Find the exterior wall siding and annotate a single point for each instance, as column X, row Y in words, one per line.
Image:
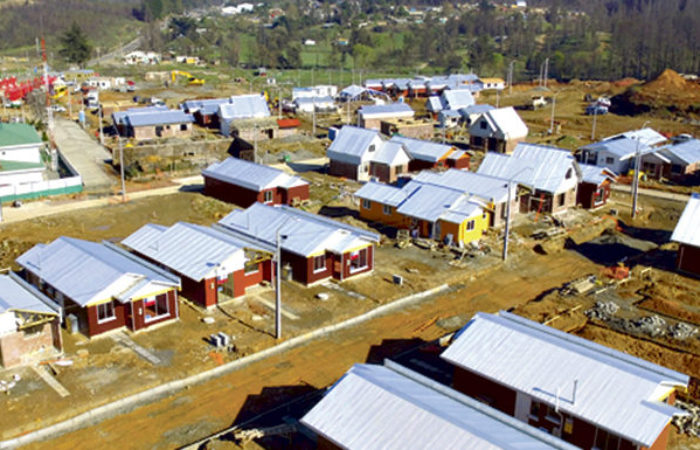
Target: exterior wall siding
column 95, row 328
column 229, row 193
column 586, row 194
column 688, row 259
column 375, row 213
column 342, row 169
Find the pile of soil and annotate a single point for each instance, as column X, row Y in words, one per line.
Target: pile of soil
column 672, row 308
column 669, row 92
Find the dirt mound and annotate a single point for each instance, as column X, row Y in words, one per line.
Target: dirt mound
column 626, row 82
column 668, row 93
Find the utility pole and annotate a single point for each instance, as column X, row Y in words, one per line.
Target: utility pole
column 278, row 285
column 498, row 97
column 510, row 78
column 546, row 70
column 313, row 101
column 507, row 230
column 635, row 182
column 49, row 113
column 99, row 118
column 551, row 123
column 121, row 166
column 595, row 117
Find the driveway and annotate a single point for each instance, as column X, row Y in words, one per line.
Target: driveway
column 84, row 154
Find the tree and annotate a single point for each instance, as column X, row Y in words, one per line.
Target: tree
column 75, row 45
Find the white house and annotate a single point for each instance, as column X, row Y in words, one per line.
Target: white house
column 498, row 130
column 251, row 106
column 20, row 154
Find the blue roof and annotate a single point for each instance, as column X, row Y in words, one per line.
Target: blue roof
column 119, row 117
column 687, row 152
column 17, row 295
column 157, row 117
column 207, row 107
column 457, row 98
column 476, row 109
column 622, row 147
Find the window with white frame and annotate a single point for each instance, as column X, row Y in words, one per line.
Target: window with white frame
column 366, row 204
column 105, row 312
column 359, row 260
column 268, row 196
column 156, row 307
column 319, row 263
column 387, row 210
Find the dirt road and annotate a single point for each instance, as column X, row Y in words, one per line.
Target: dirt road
column 206, row 408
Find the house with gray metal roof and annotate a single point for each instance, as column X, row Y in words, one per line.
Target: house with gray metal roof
column 687, row 234
column 618, row 154
column 428, row 210
column 153, row 123
column 371, row 116
column 684, row 158
column 29, row 324
column 213, row 265
column 243, row 183
column 594, row 187
column 205, row 111
column 587, row 394
column 101, row 287
column 498, row 130
column 392, row 407
column 242, row 108
column 550, row 174
column 432, row 155
column 314, row 248
column 360, row 154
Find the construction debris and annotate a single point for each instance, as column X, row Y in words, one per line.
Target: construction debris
column 681, row 331
column 688, row 424
column 602, row 311
column 580, row 286
column 245, row 436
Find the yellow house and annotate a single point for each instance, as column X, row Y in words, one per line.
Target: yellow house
column 431, row 211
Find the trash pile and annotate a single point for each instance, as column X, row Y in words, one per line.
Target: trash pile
column 681, row 331
column 602, row 311
column 6, row 386
column 689, row 424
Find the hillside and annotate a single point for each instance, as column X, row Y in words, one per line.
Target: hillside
column 669, row 92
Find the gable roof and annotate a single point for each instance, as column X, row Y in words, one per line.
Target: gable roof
column 390, row 110
column 314, row 100
column 423, row 150
column 351, row 143
column 596, row 174
column 119, row 117
column 432, row 203
column 373, row 407
column 306, row 234
column 536, row 166
column 18, row 295
column 476, row 109
column 391, row 153
column 489, row 188
column 613, row 390
column 251, row 106
column 506, row 122
column 647, row 136
column 687, row 229
column 206, row 107
column 195, row 251
column 621, row 147
column 250, row 175
column 687, row 152
column 90, row 272
column 434, row 103
column 352, row 91
column 382, row 193
column 456, row 98
column 12, row 134
column 156, row 117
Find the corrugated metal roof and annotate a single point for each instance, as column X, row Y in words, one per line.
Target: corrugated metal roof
column 377, row 407
column 119, row 117
column 391, row 154
column 486, row 187
column 88, row 272
column 434, row 103
column 595, row 174
column 306, row 233
column 18, row 134
column 687, row 152
column 15, row 294
column 157, row 117
column 206, row 106
column 352, row 143
column 535, row 166
column 392, row 109
column 314, row 100
column 457, row 98
column 195, row 251
column 614, row 391
column 382, row 193
column 476, row 109
column 244, row 107
column 352, row 91
column 430, row 202
column 251, row 175
column 647, row 136
column 687, row 230
column 622, row 147
column 423, row 150
column 507, row 122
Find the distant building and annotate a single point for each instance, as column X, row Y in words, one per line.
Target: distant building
column 684, row 159
column 205, row 111
column 372, row 116
column 432, row 155
column 417, row 129
column 594, row 188
column 241, row 107
column 244, row 183
column 156, row 122
column 321, row 90
column 310, row 104
column 586, row 394
column 20, row 154
column 687, row 234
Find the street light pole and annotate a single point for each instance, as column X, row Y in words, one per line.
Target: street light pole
column 278, row 286
column 595, row 116
column 551, row 123
column 507, row 230
column 635, row 182
column 121, row 166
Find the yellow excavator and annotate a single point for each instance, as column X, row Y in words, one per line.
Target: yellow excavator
column 191, row 80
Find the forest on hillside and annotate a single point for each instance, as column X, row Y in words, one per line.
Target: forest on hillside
column 584, row 39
